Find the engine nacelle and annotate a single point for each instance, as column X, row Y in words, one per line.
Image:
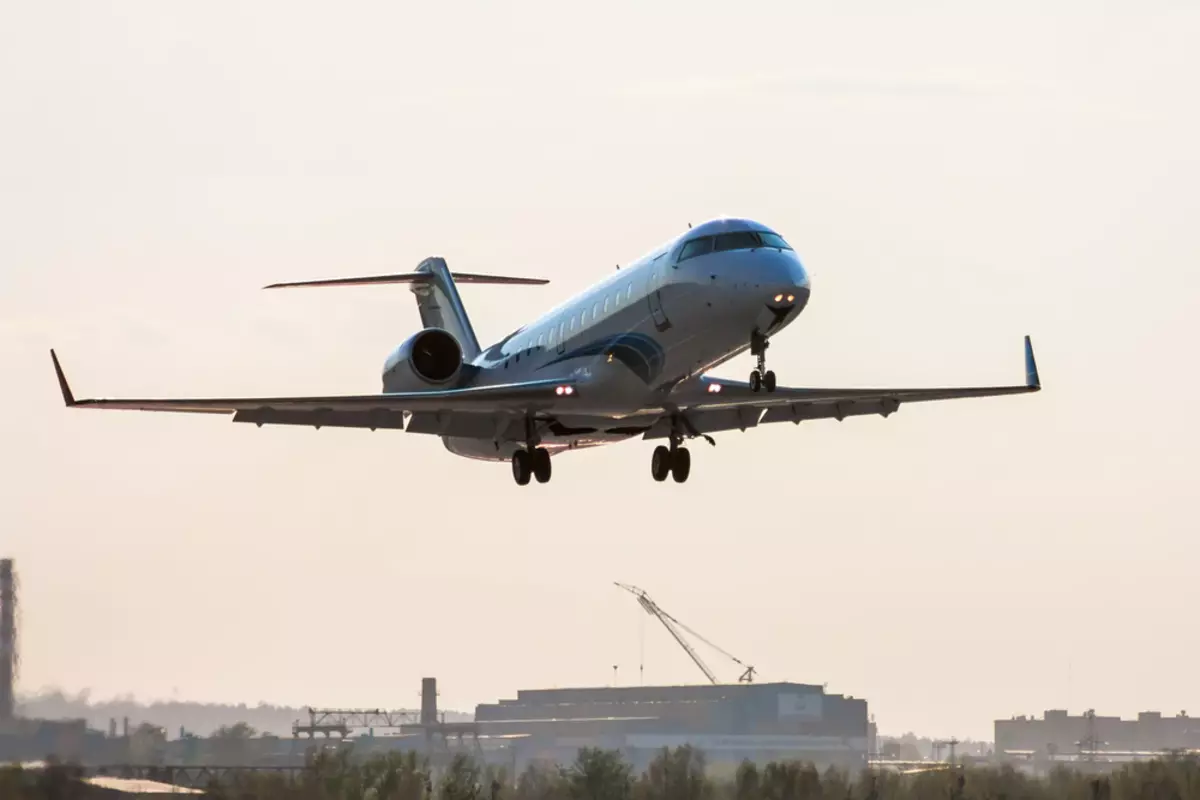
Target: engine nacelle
column 432, row 357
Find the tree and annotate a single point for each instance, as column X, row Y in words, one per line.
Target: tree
column 599, row 774
column 675, row 775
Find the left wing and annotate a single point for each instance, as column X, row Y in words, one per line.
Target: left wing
column 715, row 404
column 347, row 411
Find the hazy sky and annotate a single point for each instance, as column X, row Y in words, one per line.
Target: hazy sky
column 953, row 177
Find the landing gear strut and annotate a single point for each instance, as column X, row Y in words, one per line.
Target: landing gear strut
column 532, row 460
column 761, row 378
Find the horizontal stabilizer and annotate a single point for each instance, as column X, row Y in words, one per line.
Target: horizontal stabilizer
column 410, row 277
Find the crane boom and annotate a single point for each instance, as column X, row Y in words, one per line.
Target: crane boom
column 672, row 625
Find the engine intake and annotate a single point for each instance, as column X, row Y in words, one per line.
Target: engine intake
column 430, row 357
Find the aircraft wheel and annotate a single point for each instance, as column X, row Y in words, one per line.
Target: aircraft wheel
column 681, row 464
column 541, row 465
column 769, row 381
column 520, row 467
column 660, row 463
column 755, row 381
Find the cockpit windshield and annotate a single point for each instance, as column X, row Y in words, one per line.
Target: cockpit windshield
column 735, row 240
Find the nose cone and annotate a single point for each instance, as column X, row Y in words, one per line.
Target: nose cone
column 785, row 279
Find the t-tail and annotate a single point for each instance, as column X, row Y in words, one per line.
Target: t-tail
column 437, row 295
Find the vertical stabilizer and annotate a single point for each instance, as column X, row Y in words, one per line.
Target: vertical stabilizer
column 441, row 307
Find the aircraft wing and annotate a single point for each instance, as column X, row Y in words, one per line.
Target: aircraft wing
column 346, row 411
column 715, row 404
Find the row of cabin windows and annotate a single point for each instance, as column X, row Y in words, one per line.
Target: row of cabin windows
column 567, row 327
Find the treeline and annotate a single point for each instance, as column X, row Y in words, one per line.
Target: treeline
column 678, row 774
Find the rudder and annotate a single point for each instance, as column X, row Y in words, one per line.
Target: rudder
column 441, row 306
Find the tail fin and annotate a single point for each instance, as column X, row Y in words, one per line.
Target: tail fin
column 437, row 295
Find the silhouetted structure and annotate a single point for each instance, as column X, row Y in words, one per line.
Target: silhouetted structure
column 8, row 639
column 1092, row 737
column 729, row 722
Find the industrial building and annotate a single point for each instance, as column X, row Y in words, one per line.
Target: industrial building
column 728, row 722
column 1058, row 734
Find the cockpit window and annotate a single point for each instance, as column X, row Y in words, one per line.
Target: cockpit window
column 696, row 247
column 773, row 240
column 739, row 240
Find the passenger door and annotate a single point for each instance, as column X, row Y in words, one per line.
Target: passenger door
column 654, row 295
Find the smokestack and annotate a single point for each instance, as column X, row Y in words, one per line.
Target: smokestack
column 429, row 701
column 8, row 638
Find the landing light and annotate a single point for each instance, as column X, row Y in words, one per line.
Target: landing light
column 562, row 390
column 791, row 297
column 714, row 388
column 778, row 297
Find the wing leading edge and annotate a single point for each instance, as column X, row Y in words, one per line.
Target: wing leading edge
column 716, row 404
column 353, row 411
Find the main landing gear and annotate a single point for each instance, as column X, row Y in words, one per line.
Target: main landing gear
column 535, row 463
column 532, row 460
column 675, row 460
column 761, row 378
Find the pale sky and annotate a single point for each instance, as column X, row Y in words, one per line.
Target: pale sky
column 954, row 177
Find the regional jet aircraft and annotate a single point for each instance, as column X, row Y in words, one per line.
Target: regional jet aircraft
column 627, row 357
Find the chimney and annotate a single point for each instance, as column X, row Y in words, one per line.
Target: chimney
column 8, row 638
column 429, row 715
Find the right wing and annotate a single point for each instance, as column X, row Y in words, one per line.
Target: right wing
column 713, row 404
column 348, row 411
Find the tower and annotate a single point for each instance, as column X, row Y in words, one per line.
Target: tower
column 8, row 638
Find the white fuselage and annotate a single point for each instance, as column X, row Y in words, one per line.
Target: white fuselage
column 644, row 330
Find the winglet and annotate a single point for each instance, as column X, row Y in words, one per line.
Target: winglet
column 1031, row 372
column 63, row 386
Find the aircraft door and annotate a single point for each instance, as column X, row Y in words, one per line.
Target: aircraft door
column 654, row 296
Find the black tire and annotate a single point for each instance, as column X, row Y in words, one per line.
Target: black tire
column 660, row 463
column 520, row 467
column 755, row 381
column 541, row 465
column 681, row 465
column 769, row 381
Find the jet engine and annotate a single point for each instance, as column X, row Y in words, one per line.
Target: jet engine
column 432, row 357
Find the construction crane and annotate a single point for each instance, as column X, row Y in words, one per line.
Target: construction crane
column 673, row 625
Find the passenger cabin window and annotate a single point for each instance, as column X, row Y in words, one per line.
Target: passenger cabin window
column 606, row 305
column 572, row 324
column 629, row 291
column 595, row 311
column 541, row 338
column 696, row 247
column 739, row 240
column 562, row 331
column 550, row 339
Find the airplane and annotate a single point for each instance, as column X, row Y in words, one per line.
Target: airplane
column 627, row 357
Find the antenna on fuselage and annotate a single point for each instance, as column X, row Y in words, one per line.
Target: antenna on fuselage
column 689, row 226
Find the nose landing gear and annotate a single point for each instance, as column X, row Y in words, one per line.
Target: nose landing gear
column 761, row 378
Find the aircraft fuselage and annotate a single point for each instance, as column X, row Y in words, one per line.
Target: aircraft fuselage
column 648, row 327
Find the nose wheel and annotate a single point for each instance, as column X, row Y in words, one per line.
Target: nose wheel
column 761, row 378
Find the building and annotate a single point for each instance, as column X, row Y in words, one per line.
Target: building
column 1058, row 734
column 729, row 723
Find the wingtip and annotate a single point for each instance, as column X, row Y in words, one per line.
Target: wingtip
column 1032, row 379
column 63, row 386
